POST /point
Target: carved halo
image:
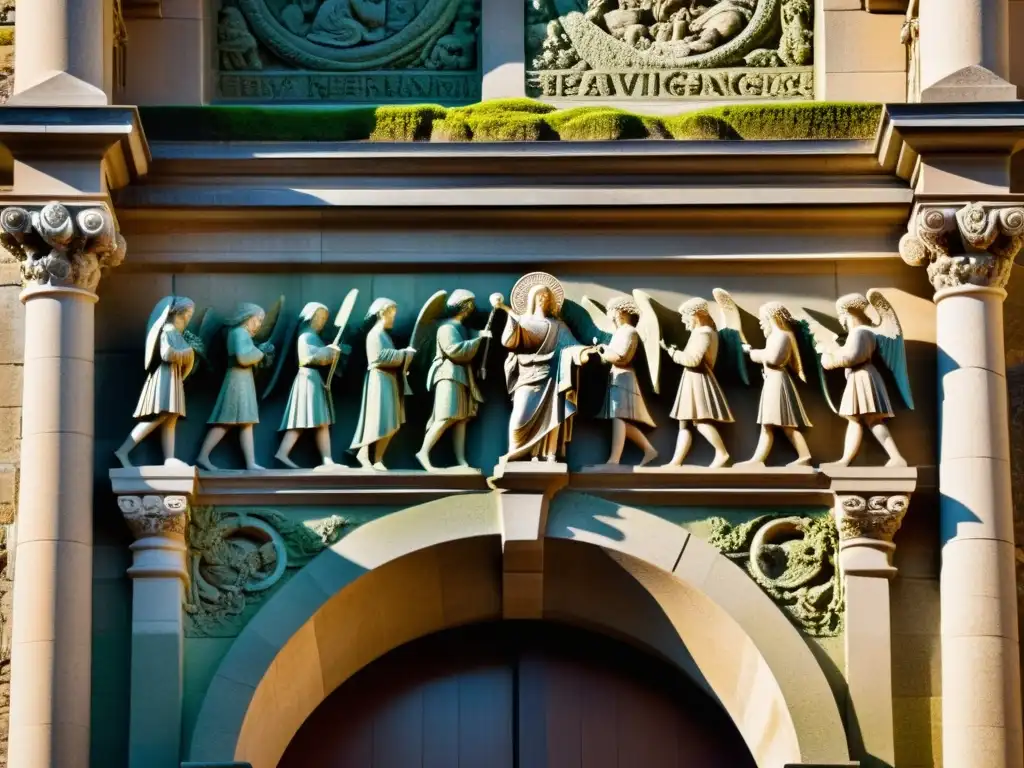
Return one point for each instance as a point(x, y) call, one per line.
point(521, 291)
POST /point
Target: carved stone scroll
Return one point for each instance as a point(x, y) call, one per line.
point(972, 245)
point(61, 245)
point(872, 517)
point(155, 515)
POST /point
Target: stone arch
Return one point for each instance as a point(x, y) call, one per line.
point(415, 572)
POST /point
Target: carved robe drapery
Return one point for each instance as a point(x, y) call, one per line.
point(456, 395)
point(623, 398)
point(383, 408)
point(780, 404)
point(309, 403)
point(237, 403)
point(540, 377)
point(164, 390)
point(865, 392)
point(699, 397)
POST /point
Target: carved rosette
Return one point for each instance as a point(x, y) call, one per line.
point(155, 515)
point(60, 246)
point(870, 517)
point(972, 245)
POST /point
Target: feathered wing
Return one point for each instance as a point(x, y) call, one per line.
point(812, 338)
point(650, 336)
point(581, 323)
point(732, 362)
point(194, 340)
point(212, 338)
point(599, 317)
point(284, 357)
point(891, 347)
point(269, 325)
point(424, 333)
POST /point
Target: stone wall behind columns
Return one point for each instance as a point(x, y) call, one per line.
point(1014, 334)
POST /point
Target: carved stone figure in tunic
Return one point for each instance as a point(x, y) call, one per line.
point(700, 401)
point(780, 406)
point(866, 401)
point(236, 404)
point(623, 401)
point(457, 397)
point(169, 360)
point(237, 47)
point(382, 411)
point(310, 405)
point(719, 24)
point(539, 369)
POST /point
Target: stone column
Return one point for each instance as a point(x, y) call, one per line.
point(159, 578)
point(503, 70)
point(64, 53)
point(965, 49)
point(867, 525)
point(63, 253)
point(969, 253)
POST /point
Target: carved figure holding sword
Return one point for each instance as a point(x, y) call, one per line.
point(310, 405)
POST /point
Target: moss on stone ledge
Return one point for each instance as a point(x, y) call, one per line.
point(508, 120)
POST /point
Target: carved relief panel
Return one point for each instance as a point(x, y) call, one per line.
point(352, 51)
point(670, 49)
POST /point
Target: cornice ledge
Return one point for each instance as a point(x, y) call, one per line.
point(111, 135)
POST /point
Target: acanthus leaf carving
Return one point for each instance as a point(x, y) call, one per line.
point(971, 245)
point(58, 247)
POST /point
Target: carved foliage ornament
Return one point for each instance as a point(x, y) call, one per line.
point(973, 245)
point(793, 559)
point(57, 247)
point(871, 517)
point(154, 515)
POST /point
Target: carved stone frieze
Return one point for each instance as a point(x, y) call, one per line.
point(154, 515)
point(870, 517)
point(60, 245)
point(793, 559)
point(670, 49)
point(237, 556)
point(972, 245)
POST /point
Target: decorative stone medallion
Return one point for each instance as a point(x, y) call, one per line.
point(350, 51)
point(670, 49)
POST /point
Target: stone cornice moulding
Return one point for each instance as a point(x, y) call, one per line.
point(964, 245)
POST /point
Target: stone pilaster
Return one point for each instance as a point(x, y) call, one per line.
point(160, 575)
point(63, 252)
point(969, 252)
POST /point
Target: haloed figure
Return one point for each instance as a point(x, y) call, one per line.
point(865, 399)
point(623, 401)
point(457, 397)
point(310, 406)
point(780, 406)
point(700, 401)
point(383, 407)
point(169, 360)
point(236, 404)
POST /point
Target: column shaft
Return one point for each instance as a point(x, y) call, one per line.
point(981, 707)
point(503, 26)
point(51, 651)
point(963, 33)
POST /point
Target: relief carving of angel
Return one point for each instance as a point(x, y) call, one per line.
point(540, 368)
point(457, 397)
point(253, 336)
point(780, 406)
point(866, 401)
point(310, 404)
point(700, 401)
point(629, 326)
point(170, 357)
point(382, 411)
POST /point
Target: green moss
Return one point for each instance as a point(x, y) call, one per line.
point(507, 120)
point(6, 36)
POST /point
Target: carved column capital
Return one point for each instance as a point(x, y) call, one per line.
point(870, 517)
point(962, 246)
point(153, 515)
point(63, 246)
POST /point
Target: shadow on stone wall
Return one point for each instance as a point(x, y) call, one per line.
point(1014, 334)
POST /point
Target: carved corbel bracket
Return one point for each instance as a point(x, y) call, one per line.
point(62, 246)
point(867, 525)
point(154, 515)
point(971, 245)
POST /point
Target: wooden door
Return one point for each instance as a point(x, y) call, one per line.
point(517, 695)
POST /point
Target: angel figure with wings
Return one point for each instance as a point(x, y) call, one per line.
point(700, 401)
point(382, 411)
point(623, 400)
point(249, 347)
point(539, 369)
point(457, 397)
point(310, 405)
point(170, 357)
point(866, 400)
point(780, 406)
